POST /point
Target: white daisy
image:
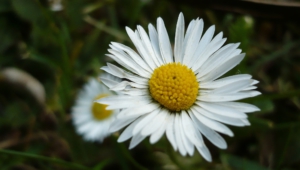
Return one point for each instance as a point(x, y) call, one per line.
point(90, 118)
point(178, 92)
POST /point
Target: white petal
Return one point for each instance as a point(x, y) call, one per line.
point(85, 127)
point(134, 36)
point(136, 140)
point(186, 143)
point(211, 135)
point(111, 99)
point(82, 118)
point(254, 82)
point(179, 38)
point(222, 110)
point(224, 68)
point(159, 133)
point(249, 88)
point(134, 56)
point(101, 132)
point(138, 110)
point(123, 101)
point(224, 81)
point(213, 124)
point(137, 92)
point(128, 63)
point(148, 46)
point(191, 150)
point(199, 58)
point(127, 133)
point(156, 123)
point(155, 44)
point(113, 70)
point(118, 72)
point(125, 60)
point(187, 36)
point(125, 84)
point(246, 121)
point(220, 118)
point(110, 80)
point(243, 107)
point(170, 132)
point(146, 119)
point(120, 123)
point(210, 49)
point(204, 152)
point(142, 50)
point(189, 129)
point(227, 97)
point(198, 133)
point(164, 42)
point(232, 88)
point(192, 42)
point(178, 136)
point(215, 60)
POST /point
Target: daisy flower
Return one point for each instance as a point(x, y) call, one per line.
point(90, 118)
point(178, 92)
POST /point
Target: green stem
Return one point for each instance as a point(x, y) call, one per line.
point(171, 154)
point(128, 156)
point(44, 158)
point(285, 148)
point(100, 25)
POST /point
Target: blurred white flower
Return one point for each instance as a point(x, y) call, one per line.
point(91, 119)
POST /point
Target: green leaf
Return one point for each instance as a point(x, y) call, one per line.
point(29, 10)
point(102, 164)
point(5, 5)
point(260, 123)
point(241, 30)
point(43, 158)
point(240, 163)
point(266, 106)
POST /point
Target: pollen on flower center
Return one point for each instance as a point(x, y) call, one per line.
point(99, 110)
point(174, 86)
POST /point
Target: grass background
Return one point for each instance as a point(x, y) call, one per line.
point(46, 57)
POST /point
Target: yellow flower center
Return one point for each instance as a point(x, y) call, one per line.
point(99, 110)
point(174, 86)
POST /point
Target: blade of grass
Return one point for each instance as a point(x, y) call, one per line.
point(124, 151)
point(279, 53)
point(44, 158)
point(240, 163)
point(103, 27)
point(285, 148)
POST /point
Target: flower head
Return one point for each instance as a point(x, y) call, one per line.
point(178, 92)
point(90, 118)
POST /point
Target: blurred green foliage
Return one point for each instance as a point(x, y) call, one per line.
point(61, 49)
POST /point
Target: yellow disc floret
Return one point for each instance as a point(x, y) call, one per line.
point(99, 110)
point(174, 86)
